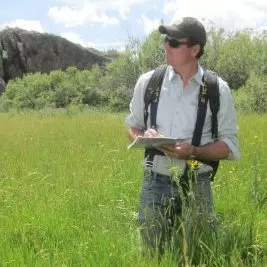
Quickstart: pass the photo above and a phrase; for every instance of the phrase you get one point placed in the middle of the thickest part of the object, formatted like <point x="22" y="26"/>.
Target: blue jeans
<point x="161" y="206"/>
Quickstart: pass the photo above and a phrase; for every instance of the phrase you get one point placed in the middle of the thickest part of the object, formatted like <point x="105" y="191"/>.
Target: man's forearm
<point x="132" y="133"/>
<point x="213" y="151"/>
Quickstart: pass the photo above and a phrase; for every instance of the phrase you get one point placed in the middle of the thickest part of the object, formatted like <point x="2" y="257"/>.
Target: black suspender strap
<point x="201" y="113"/>
<point x="152" y="93"/>
<point x="214" y="99"/>
<point x="209" y="91"/>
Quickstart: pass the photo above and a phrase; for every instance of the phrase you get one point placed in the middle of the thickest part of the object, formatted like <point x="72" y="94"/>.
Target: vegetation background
<point x="69" y="187"/>
<point x="239" y="58"/>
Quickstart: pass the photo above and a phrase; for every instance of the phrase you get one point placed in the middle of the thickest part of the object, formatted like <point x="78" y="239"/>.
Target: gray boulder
<point x="24" y="52"/>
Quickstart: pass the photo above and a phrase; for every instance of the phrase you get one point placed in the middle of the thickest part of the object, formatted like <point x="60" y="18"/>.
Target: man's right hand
<point x="133" y="133"/>
<point x="151" y="133"/>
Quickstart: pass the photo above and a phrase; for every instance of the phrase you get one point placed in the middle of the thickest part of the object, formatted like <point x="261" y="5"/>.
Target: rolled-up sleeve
<point x="227" y="122"/>
<point x="136" y="116"/>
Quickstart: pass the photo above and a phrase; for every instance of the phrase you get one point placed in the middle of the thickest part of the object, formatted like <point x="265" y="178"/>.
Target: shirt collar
<point x="197" y="77"/>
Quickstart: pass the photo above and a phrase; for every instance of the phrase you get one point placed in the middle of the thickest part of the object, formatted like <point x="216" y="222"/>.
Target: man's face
<point x="177" y="51"/>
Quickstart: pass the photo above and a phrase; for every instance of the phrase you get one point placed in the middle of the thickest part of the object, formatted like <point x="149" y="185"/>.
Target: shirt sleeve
<point x="136" y="116"/>
<point x="227" y="122"/>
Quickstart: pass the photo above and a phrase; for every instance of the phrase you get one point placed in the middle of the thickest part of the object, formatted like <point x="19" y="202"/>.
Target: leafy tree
<point x="151" y="52"/>
<point x="235" y="57"/>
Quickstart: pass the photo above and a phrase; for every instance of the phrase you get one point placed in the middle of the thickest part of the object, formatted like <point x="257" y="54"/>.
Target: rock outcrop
<point x="24" y="52"/>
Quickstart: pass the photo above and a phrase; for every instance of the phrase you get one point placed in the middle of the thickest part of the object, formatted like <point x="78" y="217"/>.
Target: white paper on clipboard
<point x="151" y="142"/>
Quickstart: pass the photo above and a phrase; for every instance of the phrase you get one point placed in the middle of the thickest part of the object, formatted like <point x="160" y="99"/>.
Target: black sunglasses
<point x="173" y="42"/>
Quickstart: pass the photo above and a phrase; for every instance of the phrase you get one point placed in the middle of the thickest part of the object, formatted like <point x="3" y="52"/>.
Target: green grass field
<point x="69" y="193"/>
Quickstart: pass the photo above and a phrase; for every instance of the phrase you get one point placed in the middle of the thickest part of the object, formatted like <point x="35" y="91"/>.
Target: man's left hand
<point x="181" y="150"/>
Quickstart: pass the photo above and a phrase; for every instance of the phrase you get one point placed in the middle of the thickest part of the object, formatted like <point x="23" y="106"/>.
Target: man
<point x="160" y="202"/>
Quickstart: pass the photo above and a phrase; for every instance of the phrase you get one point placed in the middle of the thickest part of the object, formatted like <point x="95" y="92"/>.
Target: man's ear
<point x="195" y="50"/>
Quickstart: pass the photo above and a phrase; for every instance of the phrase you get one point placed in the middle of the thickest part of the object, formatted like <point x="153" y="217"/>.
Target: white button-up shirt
<point x="176" y="116"/>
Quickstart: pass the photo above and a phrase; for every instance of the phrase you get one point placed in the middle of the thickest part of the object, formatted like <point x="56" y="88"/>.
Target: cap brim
<point x="170" y="31"/>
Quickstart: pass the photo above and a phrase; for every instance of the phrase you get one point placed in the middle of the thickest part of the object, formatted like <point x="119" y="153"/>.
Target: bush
<point x="151" y="52"/>
<point x="5" y="104"/>
<point x="235" y="58"/>
<point x="253" y="96"/>
<point x="55" y="90"/>
<point x="120" y="99"/>
<point x="242" y="101"/>
<point x="122" y="71"/>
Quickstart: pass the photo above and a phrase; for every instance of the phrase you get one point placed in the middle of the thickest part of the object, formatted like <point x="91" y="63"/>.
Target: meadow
<point x="69" y="193"/>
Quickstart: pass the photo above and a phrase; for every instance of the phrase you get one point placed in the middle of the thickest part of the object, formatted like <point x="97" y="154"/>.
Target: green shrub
<point x="120" y="99"/>
<point x="55" y="90"/>
<point x="5" y="104"/>
<point x="234" y="60"/>
<point x="151" y="52"/>
<point x="242" y="101"/>
<point x="253" y="96"/>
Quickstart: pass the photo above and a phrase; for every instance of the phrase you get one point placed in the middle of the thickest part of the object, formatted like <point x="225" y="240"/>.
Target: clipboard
<point x="152" y="142"/>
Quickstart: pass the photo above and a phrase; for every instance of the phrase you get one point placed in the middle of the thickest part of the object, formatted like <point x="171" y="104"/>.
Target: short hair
<point x="191" y="42"/>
